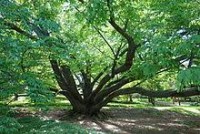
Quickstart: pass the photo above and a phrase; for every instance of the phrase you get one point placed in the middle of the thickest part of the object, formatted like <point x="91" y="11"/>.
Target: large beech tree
<point x="92" y="49"/>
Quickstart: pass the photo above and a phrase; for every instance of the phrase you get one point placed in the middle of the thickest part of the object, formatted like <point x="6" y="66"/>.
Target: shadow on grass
<point x="150" y="120"/>
<point x="145" y="121"/>
<point x="36" y="125"/>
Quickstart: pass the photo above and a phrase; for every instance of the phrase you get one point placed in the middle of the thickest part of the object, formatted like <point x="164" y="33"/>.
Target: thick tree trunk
<point x="86" y="109"/>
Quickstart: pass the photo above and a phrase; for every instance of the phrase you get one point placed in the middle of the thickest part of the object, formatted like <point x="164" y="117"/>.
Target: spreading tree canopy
<point x="94" y="50"/>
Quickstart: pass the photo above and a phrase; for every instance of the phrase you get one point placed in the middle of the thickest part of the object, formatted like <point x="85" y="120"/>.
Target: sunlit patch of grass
<point x="185" y="111"/>
<point x="194" y="110"/>
<point x="129" y="105"/>
<point x="58" y="103"/>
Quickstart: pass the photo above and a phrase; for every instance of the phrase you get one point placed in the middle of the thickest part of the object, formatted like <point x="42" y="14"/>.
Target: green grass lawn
<point x="36" y="125"/>
<point x="12" y="123"/>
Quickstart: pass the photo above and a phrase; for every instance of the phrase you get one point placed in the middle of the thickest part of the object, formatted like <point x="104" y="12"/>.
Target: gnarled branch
<point x="192" y="91"/>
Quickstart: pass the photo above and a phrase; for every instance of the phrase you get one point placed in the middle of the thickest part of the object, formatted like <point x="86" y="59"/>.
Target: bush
<point x="9" y="125"/>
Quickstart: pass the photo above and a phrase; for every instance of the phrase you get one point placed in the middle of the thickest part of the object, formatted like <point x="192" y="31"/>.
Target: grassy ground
<point x="36" y="125"/>
<point x="22" y="117"/>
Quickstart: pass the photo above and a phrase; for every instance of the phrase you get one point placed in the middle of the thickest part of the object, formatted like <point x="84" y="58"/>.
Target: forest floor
<point x="121" y="118"/>
<point x="142" y="120"/>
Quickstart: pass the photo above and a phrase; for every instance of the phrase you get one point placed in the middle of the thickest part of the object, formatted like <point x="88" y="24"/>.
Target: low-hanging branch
<point x="192" y="91"/>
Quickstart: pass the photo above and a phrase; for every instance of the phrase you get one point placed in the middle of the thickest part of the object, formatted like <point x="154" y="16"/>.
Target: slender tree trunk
<point x="151" y="100"/>
<point x="130" y="98"/>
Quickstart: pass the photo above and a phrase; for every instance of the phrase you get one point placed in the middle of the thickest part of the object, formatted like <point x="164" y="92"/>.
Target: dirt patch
<point x="134" y="121"/>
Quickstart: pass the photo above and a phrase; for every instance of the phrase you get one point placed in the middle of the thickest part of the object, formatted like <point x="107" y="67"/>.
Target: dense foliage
<point x="92" y="51"/>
